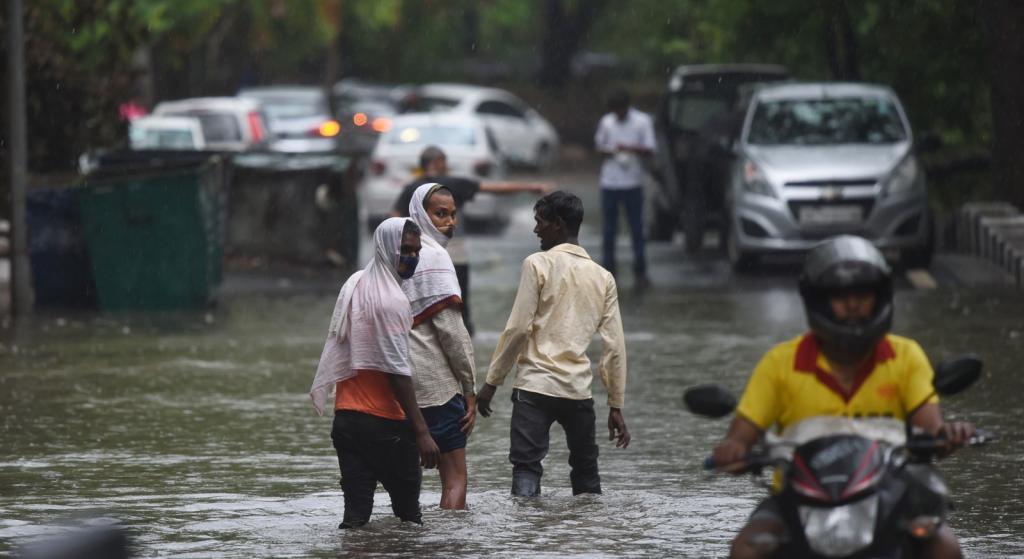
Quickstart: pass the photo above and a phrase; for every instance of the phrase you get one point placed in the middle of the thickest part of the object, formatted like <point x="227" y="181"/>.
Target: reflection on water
<point x="196" y="432"/>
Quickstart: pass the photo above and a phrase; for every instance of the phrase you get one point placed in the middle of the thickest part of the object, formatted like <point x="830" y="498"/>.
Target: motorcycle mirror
<point x="709" y="400"/>
<point x="955" y="375"/>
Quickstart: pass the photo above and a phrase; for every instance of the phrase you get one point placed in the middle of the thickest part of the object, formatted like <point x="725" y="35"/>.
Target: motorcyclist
<point x="847" y="365"/>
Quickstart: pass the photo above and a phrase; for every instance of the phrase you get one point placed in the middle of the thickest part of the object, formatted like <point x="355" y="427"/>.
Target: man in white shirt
<point x="624" y="136"/>
<point x="564" y="298"/>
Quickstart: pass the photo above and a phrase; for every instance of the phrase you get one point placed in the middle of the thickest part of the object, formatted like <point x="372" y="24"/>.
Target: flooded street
<point x="196" y="432"/>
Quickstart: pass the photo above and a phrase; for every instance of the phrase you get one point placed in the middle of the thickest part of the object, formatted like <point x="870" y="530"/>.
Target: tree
<point x="1004" y="21"/>
<point x="564" y="32"/>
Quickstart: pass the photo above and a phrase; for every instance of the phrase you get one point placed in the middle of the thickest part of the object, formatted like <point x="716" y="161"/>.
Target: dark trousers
<point x="462" y="274"/>
<point x="633" y="200"/>
<point x="372" y="449"/>
<point x="532" y="416"/>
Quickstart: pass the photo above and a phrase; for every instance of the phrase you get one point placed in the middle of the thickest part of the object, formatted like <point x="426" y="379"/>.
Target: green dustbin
<point x="155" y="239"/>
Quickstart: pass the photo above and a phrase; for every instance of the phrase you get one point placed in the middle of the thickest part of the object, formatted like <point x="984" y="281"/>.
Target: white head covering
<point x="435" y="278"/>
<point x="371" y="321"/>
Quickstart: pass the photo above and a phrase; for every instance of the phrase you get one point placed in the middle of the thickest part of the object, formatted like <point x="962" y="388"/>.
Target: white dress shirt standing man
<point x="564" y="298"/>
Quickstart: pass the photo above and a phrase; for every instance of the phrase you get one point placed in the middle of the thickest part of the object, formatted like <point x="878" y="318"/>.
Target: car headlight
<point x="904" y="178"/>
<point x="755" y="182"/>
<point x="840" y="531"/>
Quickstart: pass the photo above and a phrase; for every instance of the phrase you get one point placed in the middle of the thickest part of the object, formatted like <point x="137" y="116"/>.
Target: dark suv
<point x="697" y="121"/>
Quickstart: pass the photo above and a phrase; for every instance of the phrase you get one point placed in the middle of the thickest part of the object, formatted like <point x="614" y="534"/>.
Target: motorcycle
<point x="851" y="487"/>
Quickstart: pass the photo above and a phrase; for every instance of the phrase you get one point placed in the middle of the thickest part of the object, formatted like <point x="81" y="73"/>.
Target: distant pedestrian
<point x="624" y="137"/>
<point x="564" y="299"/>
<point x="443" y="366"/>
<point x="379" y="432"/>
<point x="434" y="168"/>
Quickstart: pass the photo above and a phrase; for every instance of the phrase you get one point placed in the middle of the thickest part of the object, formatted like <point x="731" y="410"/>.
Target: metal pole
<point x="21" y="276"/>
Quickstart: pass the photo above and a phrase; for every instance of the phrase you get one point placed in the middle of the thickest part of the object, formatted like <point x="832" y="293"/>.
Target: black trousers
<point x="372" y="449"/>
<point x="532" y="416"/>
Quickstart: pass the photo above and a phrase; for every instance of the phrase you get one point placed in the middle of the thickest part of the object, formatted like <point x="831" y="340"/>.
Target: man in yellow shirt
<point x="564" y="298"/>
<point x="848" y="365"/>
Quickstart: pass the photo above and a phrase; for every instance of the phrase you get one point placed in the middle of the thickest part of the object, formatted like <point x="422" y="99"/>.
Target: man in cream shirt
<point x="564" y="298"/>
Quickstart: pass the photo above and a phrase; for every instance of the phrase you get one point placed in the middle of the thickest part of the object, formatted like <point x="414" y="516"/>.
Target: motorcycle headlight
<point x="904" y="178"/>
<point x="840" y="531"/>
<point x="755" y="182"/>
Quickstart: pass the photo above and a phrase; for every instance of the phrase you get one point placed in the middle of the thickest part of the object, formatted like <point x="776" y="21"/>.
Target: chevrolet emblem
<point x="831" y="193"/>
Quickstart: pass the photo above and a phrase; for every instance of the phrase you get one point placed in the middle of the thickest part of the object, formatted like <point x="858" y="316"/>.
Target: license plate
<point x="840" y="214"/>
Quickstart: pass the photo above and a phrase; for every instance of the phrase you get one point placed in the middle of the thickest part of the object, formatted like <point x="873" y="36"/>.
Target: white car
<point x="228" y="123"/>
<point x="299" y="118"/>
<point x="465" y="140"/>
<point x="523" y="135"/>
<point x="166" y="132"/>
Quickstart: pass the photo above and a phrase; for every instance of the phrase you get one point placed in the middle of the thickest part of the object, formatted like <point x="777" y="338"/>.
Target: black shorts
<point x="444" y="423"/>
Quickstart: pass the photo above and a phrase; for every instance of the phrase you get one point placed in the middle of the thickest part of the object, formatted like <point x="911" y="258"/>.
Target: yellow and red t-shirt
<point x="368" y="392"/>
<point x="793" y="382"/>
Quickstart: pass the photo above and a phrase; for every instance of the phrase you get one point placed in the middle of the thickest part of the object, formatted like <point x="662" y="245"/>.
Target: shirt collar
<point x="808" y="358"/>
<point x="575" y="250"/>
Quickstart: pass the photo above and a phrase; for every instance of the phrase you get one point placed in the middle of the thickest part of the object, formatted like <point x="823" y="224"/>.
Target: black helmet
<point x="838" y="265"/>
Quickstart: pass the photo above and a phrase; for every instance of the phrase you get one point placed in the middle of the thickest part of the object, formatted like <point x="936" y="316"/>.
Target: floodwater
<point x="195" y="431"/>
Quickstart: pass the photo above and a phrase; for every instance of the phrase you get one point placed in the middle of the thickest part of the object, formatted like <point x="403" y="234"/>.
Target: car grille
<point x="828" y="183"/>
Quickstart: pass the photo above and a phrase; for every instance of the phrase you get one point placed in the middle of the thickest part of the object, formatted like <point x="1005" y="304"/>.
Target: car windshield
<point x="289" y="108"/>
<point x="150" y="138"/>
<point x="440" y="135"/>
<point x="425" y="104"/>
<point x="843" y="120"/>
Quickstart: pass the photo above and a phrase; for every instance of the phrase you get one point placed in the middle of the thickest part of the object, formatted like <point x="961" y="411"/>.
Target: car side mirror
<point x="709" y="400"/>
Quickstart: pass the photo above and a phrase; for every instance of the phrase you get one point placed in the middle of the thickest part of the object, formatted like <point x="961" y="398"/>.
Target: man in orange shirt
<point x="848" y="365"/>
<point x="379" y="432"/>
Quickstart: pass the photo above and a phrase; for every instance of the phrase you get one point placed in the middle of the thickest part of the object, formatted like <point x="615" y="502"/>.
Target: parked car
<point x="366" y="109"/>
<point x="697" y="120"/>
<point x="299" y="118"/>
<point x="166" y="132"/>
<point x="228" y="123"/>
<point x="523" y="135"/>
<point x="468" y="145"/>
<point x="819" y="159"/>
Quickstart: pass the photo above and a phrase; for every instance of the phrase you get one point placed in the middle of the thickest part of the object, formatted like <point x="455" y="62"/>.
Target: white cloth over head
<point x="371" y="320"/>
<point x="435" y="279"/>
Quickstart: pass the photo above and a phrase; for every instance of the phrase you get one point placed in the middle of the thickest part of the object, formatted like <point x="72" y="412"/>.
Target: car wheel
<point x="921" y="257"/>
<point x="741" y="261"/>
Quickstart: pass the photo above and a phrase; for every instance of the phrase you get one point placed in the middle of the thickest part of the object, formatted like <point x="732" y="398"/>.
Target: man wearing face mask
<point x="441" y="350"/>
<point x="379" y="433"/>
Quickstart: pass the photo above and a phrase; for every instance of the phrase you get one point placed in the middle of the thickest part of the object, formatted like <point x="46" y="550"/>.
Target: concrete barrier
<point x="993" y="231"/>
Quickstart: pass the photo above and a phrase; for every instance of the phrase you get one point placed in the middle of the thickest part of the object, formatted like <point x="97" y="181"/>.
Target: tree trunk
<point x="563" y="36"/>
<point x="1004" y="22"/>
<point x="840" y="42"/>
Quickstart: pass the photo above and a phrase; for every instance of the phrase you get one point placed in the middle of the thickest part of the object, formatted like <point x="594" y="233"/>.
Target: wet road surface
<point x="195" y="429"/>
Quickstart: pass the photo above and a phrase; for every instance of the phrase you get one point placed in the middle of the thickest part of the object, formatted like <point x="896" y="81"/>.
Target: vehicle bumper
<point x="764" y="225"/>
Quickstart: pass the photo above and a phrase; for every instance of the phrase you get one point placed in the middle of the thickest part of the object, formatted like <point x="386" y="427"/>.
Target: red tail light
<point x="256" y="127"/>
<point x="360" y="119"/>
<point x="482" y="168"/>
<point x="378" y="168"/>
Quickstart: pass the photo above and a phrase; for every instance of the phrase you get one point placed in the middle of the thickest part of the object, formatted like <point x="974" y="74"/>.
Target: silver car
<point x="815" y="160"/>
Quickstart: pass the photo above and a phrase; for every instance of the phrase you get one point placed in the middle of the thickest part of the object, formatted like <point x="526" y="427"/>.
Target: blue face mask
<point x="408" y="263"/>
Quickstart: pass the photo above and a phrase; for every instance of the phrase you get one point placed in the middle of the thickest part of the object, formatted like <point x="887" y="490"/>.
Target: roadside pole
<point x="21" y="277"/>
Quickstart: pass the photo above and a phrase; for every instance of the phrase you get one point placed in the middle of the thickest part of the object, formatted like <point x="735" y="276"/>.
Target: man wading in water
<point x="564" y="298"/>
<point x="379" y="432"/>
<point x="443" y="368"/>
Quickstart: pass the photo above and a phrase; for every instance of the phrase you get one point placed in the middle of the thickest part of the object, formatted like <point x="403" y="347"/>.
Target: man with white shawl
<point x="441" y="349"/>
<point x="379" y="432"/>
